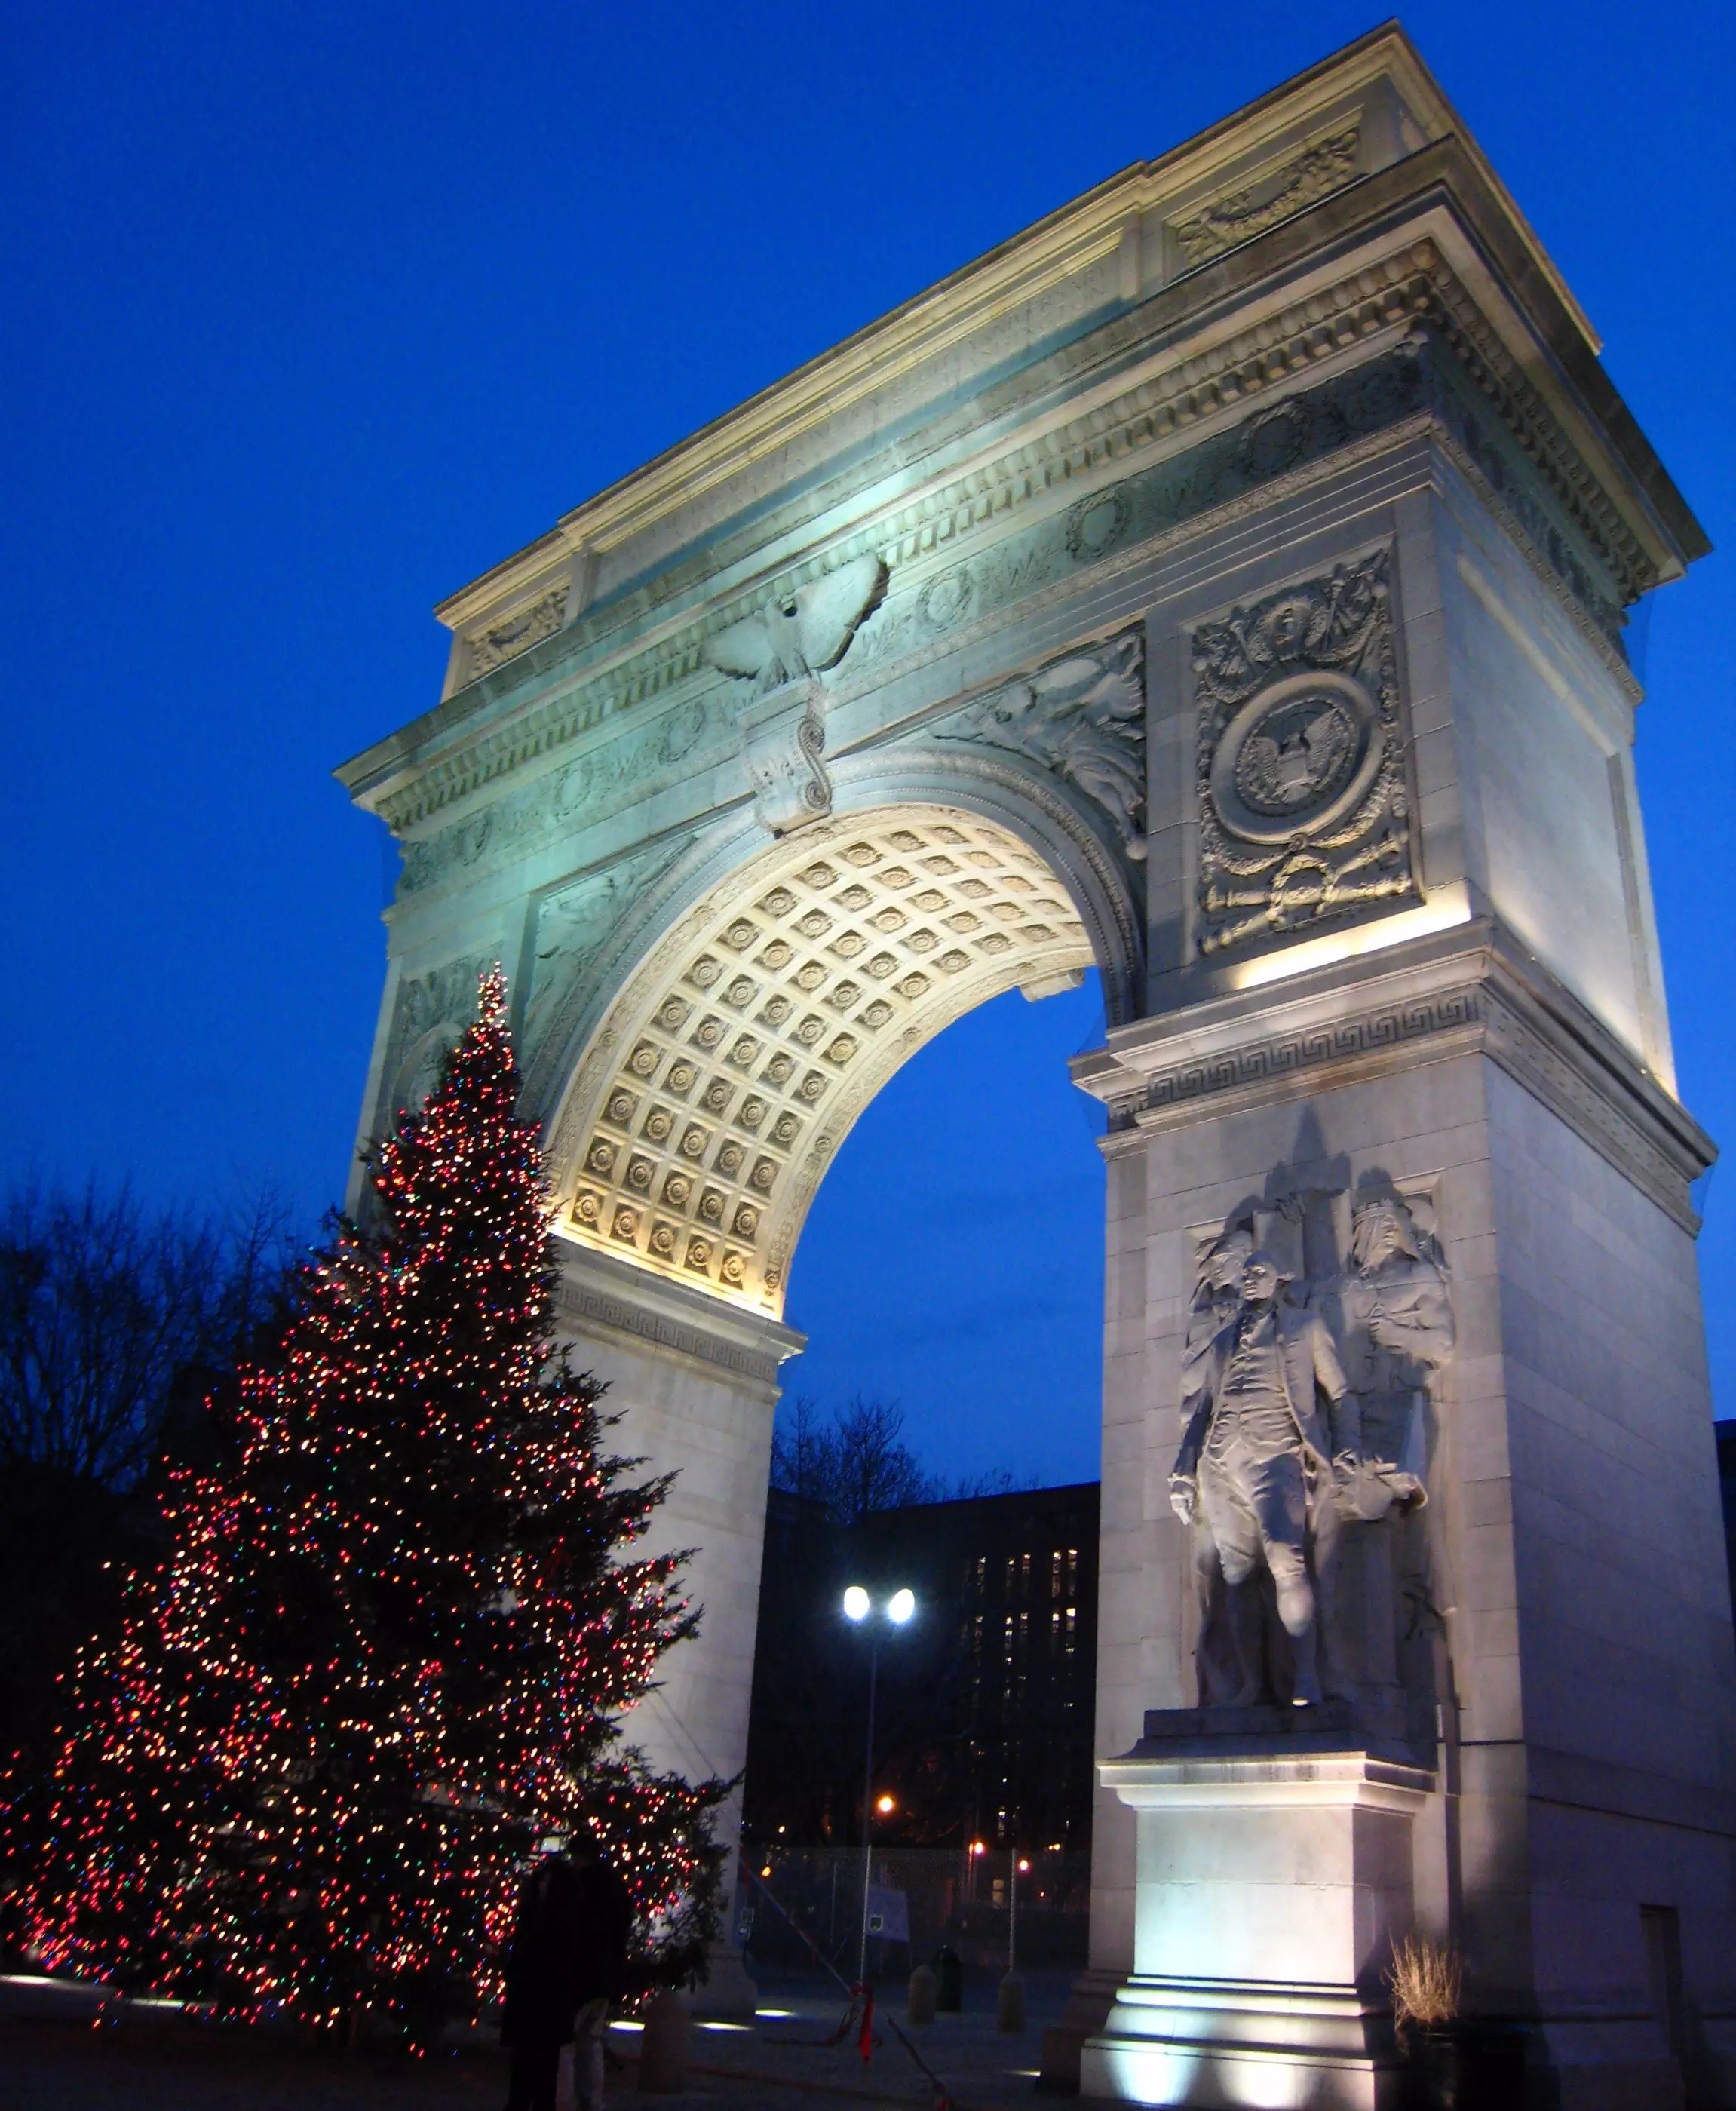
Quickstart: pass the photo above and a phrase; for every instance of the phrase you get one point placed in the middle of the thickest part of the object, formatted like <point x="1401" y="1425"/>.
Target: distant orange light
<point x="884" y="1805"/>
<point x="977" y="1847"/>
<point x="1023" y="1867"/>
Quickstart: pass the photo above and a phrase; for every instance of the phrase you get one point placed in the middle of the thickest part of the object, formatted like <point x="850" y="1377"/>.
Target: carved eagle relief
<point x="1279" y="774"/>
<point x="803" y="632"/>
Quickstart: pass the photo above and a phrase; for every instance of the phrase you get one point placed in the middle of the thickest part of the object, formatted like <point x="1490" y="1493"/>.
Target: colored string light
<point x="391" y="1639"/>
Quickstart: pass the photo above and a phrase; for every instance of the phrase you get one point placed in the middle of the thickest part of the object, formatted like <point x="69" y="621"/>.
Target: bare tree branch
<point x="104" y="1306"/>
<point x="857" y="1463"/>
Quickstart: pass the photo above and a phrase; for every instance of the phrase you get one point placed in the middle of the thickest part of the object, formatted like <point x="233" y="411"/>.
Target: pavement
<point x="63" y="2047"/>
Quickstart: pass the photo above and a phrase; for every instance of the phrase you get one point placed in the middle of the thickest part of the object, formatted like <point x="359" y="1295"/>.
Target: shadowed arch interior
<point x="734" y="1061"/>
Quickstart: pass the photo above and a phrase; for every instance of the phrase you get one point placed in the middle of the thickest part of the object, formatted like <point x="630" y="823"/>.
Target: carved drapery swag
<point x="503" y="642"/>
<point x="1083" y="716"/>
<point x="1304" y="816"/>
<point x="1324" y="166"/>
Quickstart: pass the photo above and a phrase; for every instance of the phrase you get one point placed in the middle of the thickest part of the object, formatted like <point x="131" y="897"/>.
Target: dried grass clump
<point x="1426" y="1978"/>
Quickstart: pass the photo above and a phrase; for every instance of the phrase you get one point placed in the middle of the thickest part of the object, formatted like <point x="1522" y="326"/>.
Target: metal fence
<point x="919" y="1898"/>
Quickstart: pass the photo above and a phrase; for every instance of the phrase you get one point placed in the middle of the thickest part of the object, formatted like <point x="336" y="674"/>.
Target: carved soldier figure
<point x="1217" y="1290"/>
<point x="1397" y="1331"/>
<point x="1256" y="1442"/>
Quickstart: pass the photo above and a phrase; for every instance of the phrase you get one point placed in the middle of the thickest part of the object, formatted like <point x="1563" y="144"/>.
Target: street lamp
<point x="858" y="1607"/>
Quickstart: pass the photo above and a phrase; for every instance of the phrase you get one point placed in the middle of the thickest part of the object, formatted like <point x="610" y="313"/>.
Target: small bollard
<point x="663" y="2046"/>
<point x="1011" y="2014"/>
<point x="949" y="1976"/>
<point x="922" y="1995"/>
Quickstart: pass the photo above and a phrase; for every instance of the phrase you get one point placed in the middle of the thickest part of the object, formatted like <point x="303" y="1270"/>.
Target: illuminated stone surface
<point x="1238" y="561"/>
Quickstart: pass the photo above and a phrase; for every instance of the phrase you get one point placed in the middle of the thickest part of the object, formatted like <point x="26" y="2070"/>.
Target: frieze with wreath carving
<point x="1267" y="452"/>
<point x="1414" y="284"/>
<point x="1323" y="167"/>
<point x="503" y="642"/>
<point x="1304" y="811"/>
<point x="587" y="789"/>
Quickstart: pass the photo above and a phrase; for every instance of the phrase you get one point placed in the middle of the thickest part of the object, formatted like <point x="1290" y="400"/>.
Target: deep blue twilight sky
<point x="311" y="313"/>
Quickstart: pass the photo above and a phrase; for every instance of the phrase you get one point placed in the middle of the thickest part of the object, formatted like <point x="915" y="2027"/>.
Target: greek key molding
<point x="1529" y="1056"/>
<point x="1178" y="1089"/>
<point x="1477" y="998"/>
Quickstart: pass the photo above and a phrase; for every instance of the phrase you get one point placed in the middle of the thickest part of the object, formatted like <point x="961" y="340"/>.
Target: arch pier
<point x="1222" y="584"/>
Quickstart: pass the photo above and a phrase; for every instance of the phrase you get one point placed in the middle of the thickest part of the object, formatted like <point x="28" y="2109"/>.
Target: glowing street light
<point x="901" y="1608"/>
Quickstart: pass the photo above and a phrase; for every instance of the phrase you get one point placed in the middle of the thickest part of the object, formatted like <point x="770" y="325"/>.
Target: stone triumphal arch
<point x="1223" y="584"/>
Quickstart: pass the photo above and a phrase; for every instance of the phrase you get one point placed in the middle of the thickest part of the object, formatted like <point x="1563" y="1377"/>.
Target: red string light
<point x="392" y="1640"/>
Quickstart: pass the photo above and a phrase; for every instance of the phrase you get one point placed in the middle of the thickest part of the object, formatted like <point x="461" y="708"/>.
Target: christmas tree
<point x="389" y="1648"/>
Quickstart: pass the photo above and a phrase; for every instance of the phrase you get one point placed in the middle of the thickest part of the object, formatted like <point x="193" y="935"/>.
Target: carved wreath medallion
<point x="1304" y="812"/>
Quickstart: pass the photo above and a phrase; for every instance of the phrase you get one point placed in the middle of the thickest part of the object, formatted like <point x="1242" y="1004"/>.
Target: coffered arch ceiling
<point x="731" y="1065"/>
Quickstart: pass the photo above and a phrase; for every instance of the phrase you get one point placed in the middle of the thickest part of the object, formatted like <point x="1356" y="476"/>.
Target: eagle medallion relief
<point x="1305" y="816"/>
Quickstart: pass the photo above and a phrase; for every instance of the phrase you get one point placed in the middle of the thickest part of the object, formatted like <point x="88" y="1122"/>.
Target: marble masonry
<point x="1223" y="584"/>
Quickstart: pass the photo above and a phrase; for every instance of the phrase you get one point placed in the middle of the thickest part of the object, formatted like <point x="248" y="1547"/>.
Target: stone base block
<point x="1196" y="2042"/>
<point x="1087" y="2010"/>
<point x="1273" y="1871"/>
<point x="727" y="1990"/>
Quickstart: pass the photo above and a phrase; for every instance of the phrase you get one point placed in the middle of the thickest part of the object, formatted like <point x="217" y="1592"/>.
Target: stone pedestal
<point x="1273" y="1870"/>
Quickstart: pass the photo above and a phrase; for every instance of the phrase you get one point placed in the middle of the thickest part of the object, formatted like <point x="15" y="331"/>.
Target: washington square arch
<point x="1222" y="584"/>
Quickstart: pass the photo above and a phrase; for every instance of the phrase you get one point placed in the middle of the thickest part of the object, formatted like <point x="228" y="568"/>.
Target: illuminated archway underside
<point x="734" y="1063"/>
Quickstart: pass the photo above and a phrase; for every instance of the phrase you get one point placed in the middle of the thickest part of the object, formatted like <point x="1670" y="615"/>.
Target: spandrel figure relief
<point x="1304" y="1390"/>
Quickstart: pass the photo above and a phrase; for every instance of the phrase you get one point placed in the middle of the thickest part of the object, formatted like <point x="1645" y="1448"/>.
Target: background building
<point x="983" y="1726"/>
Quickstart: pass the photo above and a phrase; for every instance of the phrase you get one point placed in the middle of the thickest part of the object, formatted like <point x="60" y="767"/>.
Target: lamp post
<point x="858" y="1607"/>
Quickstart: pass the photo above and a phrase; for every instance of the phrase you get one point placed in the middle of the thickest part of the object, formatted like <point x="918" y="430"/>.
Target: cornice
<point x="993" y="287"/>
<point x="1158" y="411"/>
<point x="1527" y="345"/>
<point x="599" y="1294"/>
<point x="1469" y="991"/>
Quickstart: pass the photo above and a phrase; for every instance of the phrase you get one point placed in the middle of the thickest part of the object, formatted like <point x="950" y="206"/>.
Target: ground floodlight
<point x="855" y="1603"/>
<point x="903" y="1605"/>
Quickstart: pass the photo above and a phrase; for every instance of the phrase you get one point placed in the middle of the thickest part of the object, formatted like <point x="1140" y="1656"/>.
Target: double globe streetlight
<point x="899" y="1610"/>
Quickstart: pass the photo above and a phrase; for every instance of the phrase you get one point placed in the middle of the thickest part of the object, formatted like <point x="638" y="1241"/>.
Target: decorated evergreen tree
<point x="390" y="1647"/>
